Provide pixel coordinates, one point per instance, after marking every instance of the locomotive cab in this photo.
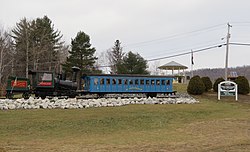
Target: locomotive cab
(43, 83)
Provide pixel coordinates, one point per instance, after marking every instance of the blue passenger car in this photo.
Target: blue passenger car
(109, 84)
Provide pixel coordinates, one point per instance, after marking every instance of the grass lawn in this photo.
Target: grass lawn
(207, 126)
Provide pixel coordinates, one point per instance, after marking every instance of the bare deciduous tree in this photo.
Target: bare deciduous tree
(153, 68)
(115, 56)
(6, 57)
(62, 54)
(103, 62)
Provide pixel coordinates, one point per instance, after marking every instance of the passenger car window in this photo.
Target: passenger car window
(131, 82)
(107, 81)
(102, 81)
(163, 82)
(142, 82)
(113, 81)
(119, 81)
(95, 81)
(168, 82)
(136, 81)
(153, 82)
(157, 82)
(125, 81)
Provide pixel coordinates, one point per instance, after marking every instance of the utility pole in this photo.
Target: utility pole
(227, 48)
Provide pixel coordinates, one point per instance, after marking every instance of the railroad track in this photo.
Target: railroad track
(95, 96)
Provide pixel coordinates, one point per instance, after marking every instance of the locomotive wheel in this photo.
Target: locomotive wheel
(151, 95)
(72, 96)
(9, 95)
(43, 96)
(101, 95)
(26, 95)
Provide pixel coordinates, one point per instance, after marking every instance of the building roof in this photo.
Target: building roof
(172, 66)
(233, 74)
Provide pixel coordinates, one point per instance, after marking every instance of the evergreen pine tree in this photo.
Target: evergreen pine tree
(37, 44)
(81, 54)
(132, 64)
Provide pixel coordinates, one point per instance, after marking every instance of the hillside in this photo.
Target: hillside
(220, 72)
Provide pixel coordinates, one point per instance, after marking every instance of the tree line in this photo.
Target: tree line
(214, 73)
(36, 45)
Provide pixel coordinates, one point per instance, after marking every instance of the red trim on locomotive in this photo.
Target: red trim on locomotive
(45, 84)
(19, 84)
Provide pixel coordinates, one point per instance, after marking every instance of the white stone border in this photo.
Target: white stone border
(74, 103)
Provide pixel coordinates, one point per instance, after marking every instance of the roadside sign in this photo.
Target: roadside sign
(227, 88)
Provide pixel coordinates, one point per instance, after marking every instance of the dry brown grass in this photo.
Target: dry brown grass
(208, 126)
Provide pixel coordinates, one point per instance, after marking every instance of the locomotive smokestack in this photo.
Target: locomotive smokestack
(75, 71)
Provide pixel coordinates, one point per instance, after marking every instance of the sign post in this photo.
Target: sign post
(228, 88)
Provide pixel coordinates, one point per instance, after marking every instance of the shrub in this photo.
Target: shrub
(217, 81)
(196, 86)
(207, 82)
(243, 85)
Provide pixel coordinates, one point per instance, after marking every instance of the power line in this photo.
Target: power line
(173, 51)
(241, 22)
(245, 44)
(173, 36)
(199, 50)
(185, 53)
(194, 51)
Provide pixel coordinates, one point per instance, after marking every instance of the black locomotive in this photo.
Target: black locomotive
(47, 84)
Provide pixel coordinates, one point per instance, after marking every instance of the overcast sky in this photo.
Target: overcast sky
(152, 28)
